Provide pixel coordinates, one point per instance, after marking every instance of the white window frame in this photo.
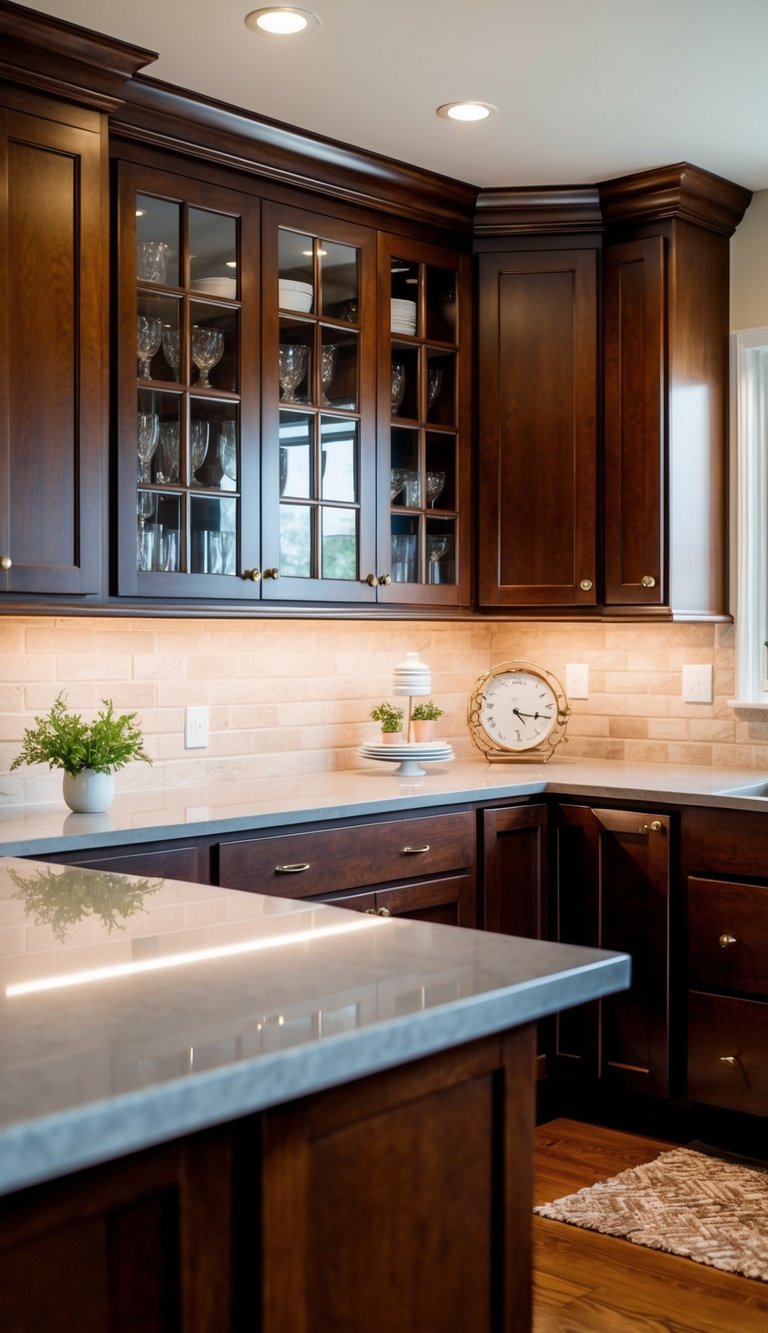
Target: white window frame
(749, 514)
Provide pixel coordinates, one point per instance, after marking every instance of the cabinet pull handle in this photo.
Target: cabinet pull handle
(385, 580)
(272, 573)
(296, 869)
(416, 851)
(728, 1060)
(726, 941)
(253, 574)
(648, 581)
(655, 826)
(586, 585)
(382, 911)
(371, 580)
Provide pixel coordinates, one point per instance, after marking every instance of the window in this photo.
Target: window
(749, 514)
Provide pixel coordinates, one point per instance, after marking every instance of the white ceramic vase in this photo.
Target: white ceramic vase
(88, 793)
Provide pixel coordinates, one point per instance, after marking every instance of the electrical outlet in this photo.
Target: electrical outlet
(196, 728)
(697, 684)
(577, 680)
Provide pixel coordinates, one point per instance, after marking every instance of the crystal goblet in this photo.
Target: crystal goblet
(198, 445)
(434, 381)
(435, 486)
(169, 451)
(291, 370)
(149, 333)
(228, 449)
(398, 386)
(147, 435)
(438, 547)
(172, 350)
(326, 371)
(207, 351)
(397, 479)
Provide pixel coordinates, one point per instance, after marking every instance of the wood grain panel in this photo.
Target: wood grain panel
(716, 910)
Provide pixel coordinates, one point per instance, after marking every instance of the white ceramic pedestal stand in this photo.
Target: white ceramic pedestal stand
(410, 678)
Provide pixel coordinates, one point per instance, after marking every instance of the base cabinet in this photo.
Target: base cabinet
(612, 891)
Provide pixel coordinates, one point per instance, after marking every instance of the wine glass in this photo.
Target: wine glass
(435, 486)
(397, 479)
(198, 444)
(437, 547)
(228, 449)
(434, 381)
(327, 365)
(398, 386)
(147, 435)
(169, 451)
(292, 369)
(172, 350)
(207, 351)
(149, 334)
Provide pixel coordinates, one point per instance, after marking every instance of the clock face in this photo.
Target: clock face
(518, 710)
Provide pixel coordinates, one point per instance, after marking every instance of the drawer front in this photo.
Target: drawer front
(728, 1053)
(728, 935)
(306, 864)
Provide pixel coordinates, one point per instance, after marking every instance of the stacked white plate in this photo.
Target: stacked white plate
(408, 750)
(295, 295)
(217, 287)
(403, 316)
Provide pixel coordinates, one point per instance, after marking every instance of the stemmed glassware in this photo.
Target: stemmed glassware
(398, 386)
(169, 451)
(207, 351)
(435, 486)
(171, 350)
(228, 450)
(438, 546)
(292, 369)
(397, 480)
(326, 371)
(434, 381)
(149, 333)
(147, 436)
(198, 445)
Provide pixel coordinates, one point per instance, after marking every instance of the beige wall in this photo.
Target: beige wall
(749, 267)
(294, 697)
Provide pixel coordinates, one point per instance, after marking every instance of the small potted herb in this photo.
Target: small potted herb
(390, 718)
(88, 752)
(423, 719)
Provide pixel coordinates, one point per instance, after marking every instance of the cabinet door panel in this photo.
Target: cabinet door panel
(728, 935)
(538, 428)
(514, 870)
(445, 902)
(51, 358)
(635, 379)
(727, 1044)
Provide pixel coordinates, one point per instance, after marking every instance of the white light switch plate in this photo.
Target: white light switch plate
(697, 684)
(577, 680)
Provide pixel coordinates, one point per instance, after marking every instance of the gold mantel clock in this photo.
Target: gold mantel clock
(518, 712)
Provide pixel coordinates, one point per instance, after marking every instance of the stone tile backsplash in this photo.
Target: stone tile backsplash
(291, 697)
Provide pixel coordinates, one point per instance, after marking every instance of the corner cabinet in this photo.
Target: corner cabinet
(53, 367)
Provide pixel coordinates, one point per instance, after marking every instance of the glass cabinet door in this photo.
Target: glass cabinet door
(188, 446)
(423, 423)
(318, 408)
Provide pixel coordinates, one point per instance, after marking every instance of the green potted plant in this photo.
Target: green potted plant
(390, 718)
(423, 719)
(88, 752)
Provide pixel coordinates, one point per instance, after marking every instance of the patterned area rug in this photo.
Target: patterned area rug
(701, 1207)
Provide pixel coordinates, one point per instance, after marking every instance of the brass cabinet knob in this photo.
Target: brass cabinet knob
(253, 574)
(382, 911)
(371, 580)
(586, 585)
(272, 573)
(296, 868)
(648, 581)
(385, 580)
(655, 826)
(416, 851)
(726, 941)
(5, 562)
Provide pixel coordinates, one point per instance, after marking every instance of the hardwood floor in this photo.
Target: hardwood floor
(587, 1283)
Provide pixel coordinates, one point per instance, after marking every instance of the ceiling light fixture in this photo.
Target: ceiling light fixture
(466, 110)
(281, 21)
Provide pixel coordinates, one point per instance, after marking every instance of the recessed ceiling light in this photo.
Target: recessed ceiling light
(281, 21)
(466, 110)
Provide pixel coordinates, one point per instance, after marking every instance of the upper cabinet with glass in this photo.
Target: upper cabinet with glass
(423, 423)
(189, 402)
(318, 372)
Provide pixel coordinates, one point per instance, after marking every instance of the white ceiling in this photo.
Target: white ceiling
(586, 89)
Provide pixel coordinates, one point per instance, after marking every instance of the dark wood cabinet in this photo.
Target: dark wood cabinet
(154, 861)
(612, 891)
(514, 870)
(53, 348)
(537, 400)
(725, 868)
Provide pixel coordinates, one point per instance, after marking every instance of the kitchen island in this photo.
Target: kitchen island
(226, 1110)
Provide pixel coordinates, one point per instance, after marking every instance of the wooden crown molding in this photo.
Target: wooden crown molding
(677, 191)
(63, 60)
(562, 209)
(174, 119)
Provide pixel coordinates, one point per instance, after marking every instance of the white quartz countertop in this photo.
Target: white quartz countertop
(134, 1010)
(171, 813)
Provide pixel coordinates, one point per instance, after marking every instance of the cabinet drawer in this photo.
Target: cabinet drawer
(728, 1052)
(327, 860)
(728, 935)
